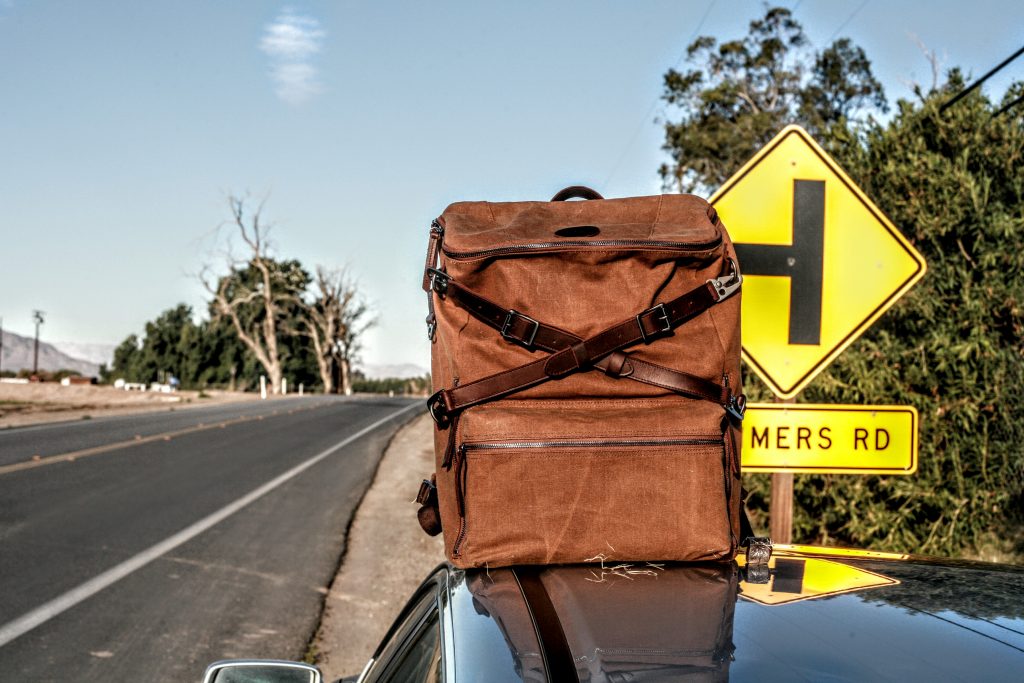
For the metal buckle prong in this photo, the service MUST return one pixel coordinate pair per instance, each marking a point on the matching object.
(529, 339)
(662, 314)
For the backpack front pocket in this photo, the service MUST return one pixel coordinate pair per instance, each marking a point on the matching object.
(583, 499)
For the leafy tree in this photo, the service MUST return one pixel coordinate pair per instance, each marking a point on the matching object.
(170, 346)
(126, 359)
(740, 93)
(256, 291)
(954, 346)
(226, 361)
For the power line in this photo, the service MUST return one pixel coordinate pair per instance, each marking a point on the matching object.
(973, 86)
(1009, 106)
(650, 110)
(848, 20)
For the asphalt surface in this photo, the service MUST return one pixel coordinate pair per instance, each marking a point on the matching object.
(166, 504)
(21, 443)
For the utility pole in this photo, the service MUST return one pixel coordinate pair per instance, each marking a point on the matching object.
(37, 316)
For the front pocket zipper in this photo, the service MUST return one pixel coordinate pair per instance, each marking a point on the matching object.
(459, 463)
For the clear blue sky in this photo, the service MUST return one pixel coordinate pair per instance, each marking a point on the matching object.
(123, 126)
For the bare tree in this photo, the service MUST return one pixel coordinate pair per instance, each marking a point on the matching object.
(253, 294)
(335, 322)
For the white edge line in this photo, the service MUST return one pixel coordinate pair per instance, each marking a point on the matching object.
(62, 603)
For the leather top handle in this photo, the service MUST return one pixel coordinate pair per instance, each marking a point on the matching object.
(576, 191)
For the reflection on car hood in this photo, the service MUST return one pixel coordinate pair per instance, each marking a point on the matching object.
(821, 615)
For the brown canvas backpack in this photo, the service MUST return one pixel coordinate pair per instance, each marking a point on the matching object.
(586, 362)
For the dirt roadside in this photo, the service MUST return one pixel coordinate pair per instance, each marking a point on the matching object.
(388, 555)
(37, 403)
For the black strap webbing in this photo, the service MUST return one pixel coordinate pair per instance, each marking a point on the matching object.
(553, 645)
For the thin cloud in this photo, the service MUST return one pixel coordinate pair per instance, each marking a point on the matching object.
(292, 41)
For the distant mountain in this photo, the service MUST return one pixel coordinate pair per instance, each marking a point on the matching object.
(100, 354)
(17, 355)
(399, 370)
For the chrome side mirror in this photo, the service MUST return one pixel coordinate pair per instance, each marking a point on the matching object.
(261, 671)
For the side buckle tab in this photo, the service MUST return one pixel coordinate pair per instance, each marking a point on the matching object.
(527, 341)
(439, 410)
(660, 315)
(737, 406)
(428, 491)
(727, 285)
(438, 281)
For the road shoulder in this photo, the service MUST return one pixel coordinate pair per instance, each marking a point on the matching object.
(387, 557)
(48, 402)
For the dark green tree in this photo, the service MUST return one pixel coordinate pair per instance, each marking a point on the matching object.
(169, 347)
(240, 307)
(954, 346)
(126, 360)
(740, 93)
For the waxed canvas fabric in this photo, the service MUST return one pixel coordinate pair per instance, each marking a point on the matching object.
(658, 475)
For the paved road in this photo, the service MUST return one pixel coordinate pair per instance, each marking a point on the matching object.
(175, 539)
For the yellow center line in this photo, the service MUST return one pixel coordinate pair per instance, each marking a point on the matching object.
(71, 456)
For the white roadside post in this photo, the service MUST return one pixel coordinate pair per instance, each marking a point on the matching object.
(284, 386)
(263, 387)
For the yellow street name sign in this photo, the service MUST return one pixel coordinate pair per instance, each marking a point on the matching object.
(821, 262)
(829, 439)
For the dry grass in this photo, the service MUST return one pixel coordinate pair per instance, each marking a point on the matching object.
(25, 404)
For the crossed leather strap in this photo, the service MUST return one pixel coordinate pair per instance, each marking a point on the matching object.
(569, 352)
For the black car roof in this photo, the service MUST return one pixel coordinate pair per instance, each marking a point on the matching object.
(821, 615)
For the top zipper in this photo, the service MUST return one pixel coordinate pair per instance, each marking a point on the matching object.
(519, 248)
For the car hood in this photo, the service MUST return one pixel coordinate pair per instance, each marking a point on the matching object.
(818, 614)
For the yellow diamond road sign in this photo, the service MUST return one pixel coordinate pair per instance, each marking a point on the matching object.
(820, 261)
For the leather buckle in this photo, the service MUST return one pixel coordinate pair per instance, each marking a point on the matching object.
(526, 342)
(438, 281)
(662, 315)
(438, 410)
(727, 285)
(427, 489)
